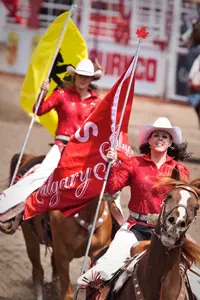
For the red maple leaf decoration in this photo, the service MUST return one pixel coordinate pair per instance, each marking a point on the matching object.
(142, 33)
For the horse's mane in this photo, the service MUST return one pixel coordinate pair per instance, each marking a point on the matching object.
(191, 253)
(168, 181)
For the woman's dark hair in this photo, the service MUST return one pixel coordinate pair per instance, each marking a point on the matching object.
(177, 151)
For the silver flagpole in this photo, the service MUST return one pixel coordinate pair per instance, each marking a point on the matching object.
(108, 169)
(42, 94)
(127, 93)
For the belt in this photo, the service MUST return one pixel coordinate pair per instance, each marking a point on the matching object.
(149, 218)
(62, 137)
(138, 216)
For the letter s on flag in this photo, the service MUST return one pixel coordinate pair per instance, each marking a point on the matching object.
(86, 129)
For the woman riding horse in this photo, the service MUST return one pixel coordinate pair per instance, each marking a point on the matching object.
(159, 270)
(73, 105)
(161, 146)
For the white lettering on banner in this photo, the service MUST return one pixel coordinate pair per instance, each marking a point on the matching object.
(55, 199)
(97, 168)
(103, 149)
(113, 136)
(54, 188)
(86, 136)
(81, 179)
(120, 143)
(85, 179)
(122, 146)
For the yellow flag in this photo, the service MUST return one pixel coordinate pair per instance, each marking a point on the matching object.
(72, 50)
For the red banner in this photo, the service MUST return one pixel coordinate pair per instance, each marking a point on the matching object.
(79, 176)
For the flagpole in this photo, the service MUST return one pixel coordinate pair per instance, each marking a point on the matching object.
(41, 95)
(127, 93)
(93, 227)
(108, 168)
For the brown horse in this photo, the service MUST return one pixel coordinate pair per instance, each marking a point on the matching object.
(69, 236)
(160, 273)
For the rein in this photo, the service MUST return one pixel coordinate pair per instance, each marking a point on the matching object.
(194, 272)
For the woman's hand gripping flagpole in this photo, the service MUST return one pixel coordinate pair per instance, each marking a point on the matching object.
(41, 95)
(142, 34)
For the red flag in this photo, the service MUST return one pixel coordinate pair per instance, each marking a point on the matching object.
(12, 6)
(79, 176)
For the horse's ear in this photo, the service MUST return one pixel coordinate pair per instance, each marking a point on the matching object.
(175, 174)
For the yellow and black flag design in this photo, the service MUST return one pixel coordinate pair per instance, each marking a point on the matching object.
(72, 50)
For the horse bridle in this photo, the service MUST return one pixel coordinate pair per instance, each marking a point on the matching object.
(187, 188)
(163, 218)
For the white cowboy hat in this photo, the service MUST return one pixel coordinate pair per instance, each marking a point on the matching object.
(85, 67)
(160, 124)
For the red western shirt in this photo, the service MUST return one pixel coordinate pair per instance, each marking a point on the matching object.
(140, 173)
(71, 110)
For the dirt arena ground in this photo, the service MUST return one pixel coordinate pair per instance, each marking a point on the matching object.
(15, 268)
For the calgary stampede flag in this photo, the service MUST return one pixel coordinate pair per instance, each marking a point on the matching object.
(73, 49)
(79, 175)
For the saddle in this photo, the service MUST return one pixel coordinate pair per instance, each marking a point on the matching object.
(13, 212)
(100, 289)
(140, 247)
(10, 220)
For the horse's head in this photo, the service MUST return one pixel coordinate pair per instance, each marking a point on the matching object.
(179, 210)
